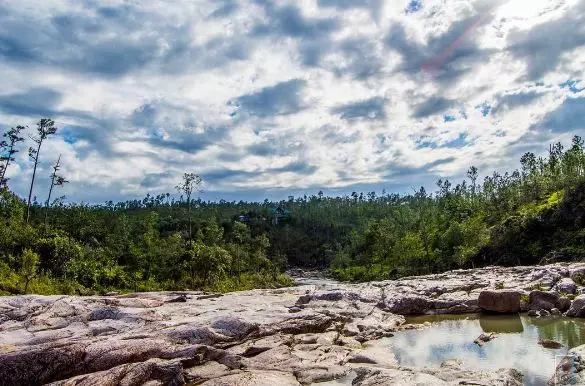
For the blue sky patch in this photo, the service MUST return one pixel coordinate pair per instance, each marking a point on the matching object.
(414, 6)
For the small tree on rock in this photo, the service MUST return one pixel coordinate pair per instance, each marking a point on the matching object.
(45, 127)
(28, 267)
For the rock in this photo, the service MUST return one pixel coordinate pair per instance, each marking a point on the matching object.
(577, 308)
(313, 333)
(541, 300)
(450, 373)
(209, 296)
(178, 299)
(544, 312)
(534, 313)
(503, 301)
(555, 312)
(566, 286)
(407, 305)
(254, 378)
(569, 370)
(547, 343)
(483, 339)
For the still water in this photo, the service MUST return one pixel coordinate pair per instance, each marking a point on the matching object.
(452, 336)
(516, 346)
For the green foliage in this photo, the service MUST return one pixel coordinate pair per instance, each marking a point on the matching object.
(28, 267)
(533, 214)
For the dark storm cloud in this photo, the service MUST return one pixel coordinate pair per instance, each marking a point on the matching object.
(567, 118)
(543, 46)
(281, 99)
(370, 109)
(433, 105)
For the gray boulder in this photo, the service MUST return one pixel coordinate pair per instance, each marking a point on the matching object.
(499, 301)
(566, 286)
(541, 300)
(577, 308)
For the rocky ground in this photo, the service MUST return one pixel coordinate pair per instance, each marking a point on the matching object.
(300, 335)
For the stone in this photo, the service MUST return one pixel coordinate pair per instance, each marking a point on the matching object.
(566, 286)
(541, 300)
(312, 333)
(570, 368)
(577, 308)
(502, 301)
(254, 378)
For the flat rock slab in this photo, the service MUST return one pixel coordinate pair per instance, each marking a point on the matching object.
(249, 337)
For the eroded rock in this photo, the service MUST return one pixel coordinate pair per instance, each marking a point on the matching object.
(252, 337)
(499, 301)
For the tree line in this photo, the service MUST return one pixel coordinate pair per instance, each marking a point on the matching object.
(170, 242)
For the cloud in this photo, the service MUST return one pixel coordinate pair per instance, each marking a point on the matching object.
(567, 118)
(543, 46)
(289, 21)
(281, 99)
(433, 105)
(513, 101)
(370, 109)
(448, 56)
(265, 97)
(33, 102)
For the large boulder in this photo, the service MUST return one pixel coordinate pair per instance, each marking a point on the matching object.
(566, 286)
(577, 308)
(499, 301)
(541, 300)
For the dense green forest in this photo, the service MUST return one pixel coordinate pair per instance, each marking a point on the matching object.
(177, 241)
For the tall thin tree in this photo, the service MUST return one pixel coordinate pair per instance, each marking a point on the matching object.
(45, 127)
(56, 180)
(12, 138)
(191, 182)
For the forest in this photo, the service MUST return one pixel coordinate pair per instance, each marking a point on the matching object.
(176, 241)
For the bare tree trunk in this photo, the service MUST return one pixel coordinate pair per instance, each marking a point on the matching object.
(7, 163)
(26, 283)
(32, 182)
(55, 168)
(189, 215)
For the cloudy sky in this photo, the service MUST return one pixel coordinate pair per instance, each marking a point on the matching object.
(266, 98)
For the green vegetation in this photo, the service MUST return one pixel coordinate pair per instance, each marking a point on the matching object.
(532, 215)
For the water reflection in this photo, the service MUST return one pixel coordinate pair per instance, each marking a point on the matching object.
(451, 337)
(501, 323)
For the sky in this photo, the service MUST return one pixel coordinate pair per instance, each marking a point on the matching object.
(266, 99)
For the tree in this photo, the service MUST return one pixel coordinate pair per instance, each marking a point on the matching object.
(472, 175)
(56, 180)
(45, 127)
(28, 267)
(13, 136)
(190, 183)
